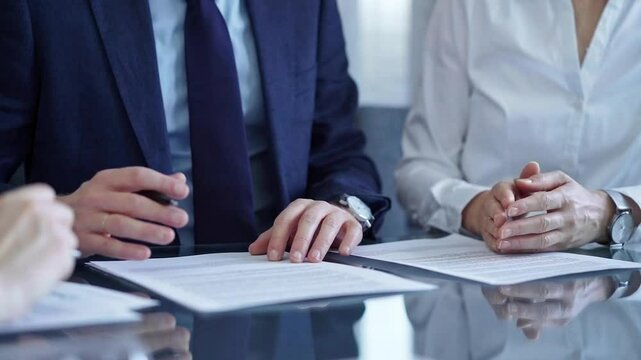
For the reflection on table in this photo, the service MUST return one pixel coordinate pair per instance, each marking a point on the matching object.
(573, 317)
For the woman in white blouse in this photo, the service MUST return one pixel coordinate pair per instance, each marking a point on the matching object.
(508, 82)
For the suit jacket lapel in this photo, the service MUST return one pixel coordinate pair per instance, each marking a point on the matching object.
(127, 33)
(271, 27)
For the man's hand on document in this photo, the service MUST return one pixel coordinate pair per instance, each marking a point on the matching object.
(309, 228)
(537, 306)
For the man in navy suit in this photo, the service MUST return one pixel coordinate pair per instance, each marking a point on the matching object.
(242, 110)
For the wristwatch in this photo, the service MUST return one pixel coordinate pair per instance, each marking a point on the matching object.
(621, 226)
(358, 209)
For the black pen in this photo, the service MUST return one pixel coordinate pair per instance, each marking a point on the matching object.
(160, 198)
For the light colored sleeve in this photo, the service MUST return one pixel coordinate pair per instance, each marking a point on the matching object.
(431, 185)
(633, 192)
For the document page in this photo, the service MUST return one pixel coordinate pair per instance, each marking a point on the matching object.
(467, 258)
(229, 281)
(72, 305)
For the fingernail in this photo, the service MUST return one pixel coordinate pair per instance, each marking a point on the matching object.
(315, 255)
(272, 255)
(168, 235)
(347, 250)
(527, 181)
(178, 217)
(296, 256)
(513, 211)
(504, 245)
(506, 233)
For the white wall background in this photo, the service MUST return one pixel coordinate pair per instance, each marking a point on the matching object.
(384, 40)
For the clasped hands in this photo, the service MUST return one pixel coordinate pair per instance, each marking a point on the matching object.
(538, 212)
(108, 208)
(542, 305)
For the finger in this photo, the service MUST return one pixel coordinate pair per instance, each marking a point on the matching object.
(352, 237)
(542, 311)
(532, 333)
(327, 233)
(549, 241)
(319, 248)
(490, 241)
(133, 179)
(125, 227)
(284, 225)
(308, 226)
(539, 224)
(541, 201)
(503, 192)
(114, 248)
(540, 291)
(530, 169)
(180, 176)
(493, 217)
(259, 247)
(140, 207)
(494, 296)
(543, 182)
(66, 238)
(156, 322)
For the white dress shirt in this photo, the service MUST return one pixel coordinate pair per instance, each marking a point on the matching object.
(168, 20)
(503, 85)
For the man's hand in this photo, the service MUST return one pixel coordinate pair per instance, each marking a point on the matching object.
(537, 306)
(36, 247)
(573, 215)
(107, 207)
(486, 213)
(310, 228)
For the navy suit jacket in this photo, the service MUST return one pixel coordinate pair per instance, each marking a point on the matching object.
(80, 92)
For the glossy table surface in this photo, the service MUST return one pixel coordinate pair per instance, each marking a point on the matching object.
(564, 318)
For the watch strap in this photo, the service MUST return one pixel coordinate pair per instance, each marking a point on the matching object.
(619, 201)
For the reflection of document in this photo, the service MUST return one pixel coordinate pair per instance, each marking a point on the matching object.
(470, 259)
(221, 282)
(75, 305)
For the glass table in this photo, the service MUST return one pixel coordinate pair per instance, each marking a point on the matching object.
(566, 318)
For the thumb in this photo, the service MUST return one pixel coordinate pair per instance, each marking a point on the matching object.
(530, 169)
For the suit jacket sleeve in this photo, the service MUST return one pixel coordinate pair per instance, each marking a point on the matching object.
(17, 87)
(337, 162)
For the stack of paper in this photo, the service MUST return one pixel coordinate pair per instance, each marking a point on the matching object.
(76, 305)
(467, 258)
(228, 281)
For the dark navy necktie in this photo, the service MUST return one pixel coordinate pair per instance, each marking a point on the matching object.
(223, 202)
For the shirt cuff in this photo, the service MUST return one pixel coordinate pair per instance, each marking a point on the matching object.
(633, 192)
(452, 196)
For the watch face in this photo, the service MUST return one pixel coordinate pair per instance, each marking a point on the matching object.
(359, 207)
(622, 228)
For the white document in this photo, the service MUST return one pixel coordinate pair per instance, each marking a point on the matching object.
(470, 259)
(229, 281)
(77, 305)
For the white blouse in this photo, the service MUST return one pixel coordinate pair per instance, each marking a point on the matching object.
(503, 85)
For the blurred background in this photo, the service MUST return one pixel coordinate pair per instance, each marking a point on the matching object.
(384, 46)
